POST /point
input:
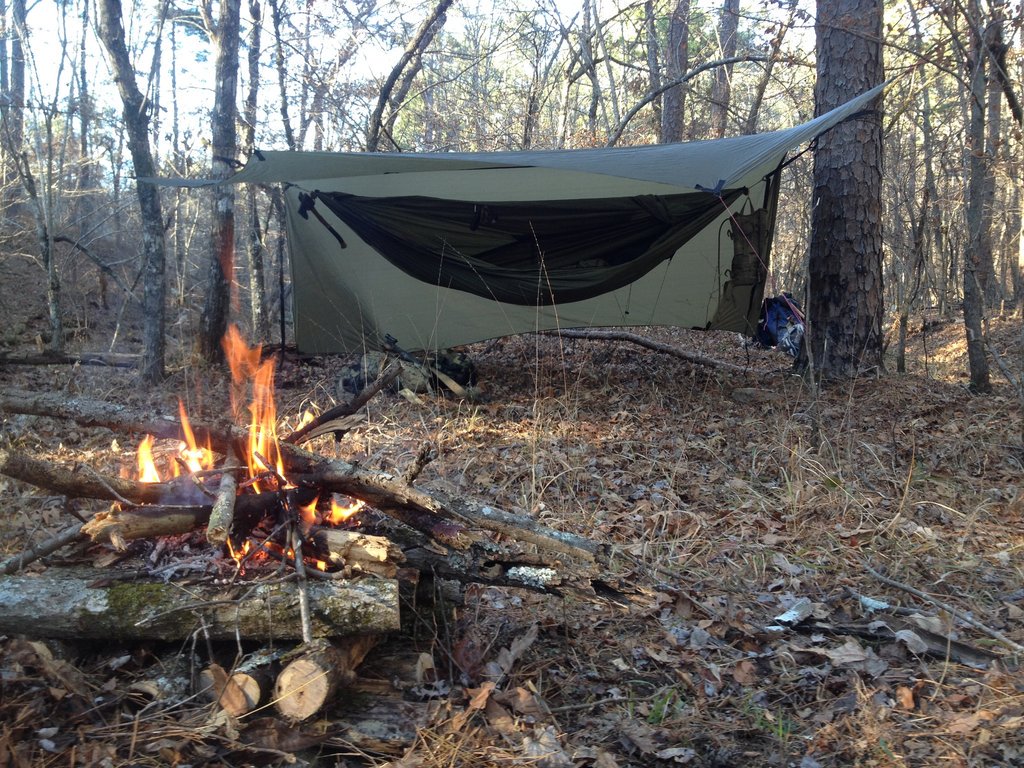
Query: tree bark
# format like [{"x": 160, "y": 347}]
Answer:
[
  {"x": 673, "y": 102},
  {"x": 975, "y": 272},
  {"x": 216, "y": 307},
  {"x": 136, "y": 120},
  {"x": 845, "y": 262},
  {"x": 78, "y": 605}
]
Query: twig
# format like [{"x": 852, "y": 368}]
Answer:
[
  {"x": 295, "y": 542},
  {"x": 632, "y": 338},
  {"x": 955, "y": 613},
  {"x": 333, "y": 420},
  {"x": 17, "y": 562},
  {"x": 425, "y": 455}
]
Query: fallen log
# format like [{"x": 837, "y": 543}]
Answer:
[
  {"x": 108, "y": 359},
  {"x": 309, "y": 682},
  {"x": 71, "y": 604}
]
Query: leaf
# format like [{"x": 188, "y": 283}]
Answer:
[
  {"x": 905, "y": 698},
  {"x": 476, "y": 703},
  {"x": 745, "y": 672},
  {"x": 680, "y": 755},
  {"x": 544, "y": 748},
  {"x": 914, "y": 642}
]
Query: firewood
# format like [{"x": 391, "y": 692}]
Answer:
[
  {"x": 118, "y": 526},
  {"x": 80, "y": 482},
  {"x": 223, "y": 512},
  {"x": 237, "y": 694},
  {"x": 309, "y": 682},
  {"x": 358, "y": 552},
  {"x": 74, "y": 604}
]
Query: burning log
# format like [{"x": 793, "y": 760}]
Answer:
[
  {"x": 73, "y": 605},
  {"x": 80, "y": 482},
  {"x": 358, "y": 552},
  {"x": 307, "y": 683}
]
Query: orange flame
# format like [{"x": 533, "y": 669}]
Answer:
[
  {"x": 238, "y": 554},
  {"x": 195, "y": 456},
  {"x": 245, "y": 365},
  {"x": 339, "y": 513},
  {"x": 147, "y": 466},
  {"x": 307, "y": 515}
]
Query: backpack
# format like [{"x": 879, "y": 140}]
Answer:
[{"x": 781, "y": 324}]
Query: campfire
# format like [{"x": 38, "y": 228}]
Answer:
[
  {"x": 289, "y": 515},
  {"x": 300, "y": 546}
]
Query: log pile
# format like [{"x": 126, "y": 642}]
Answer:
[{"x": 335, "y": 589}]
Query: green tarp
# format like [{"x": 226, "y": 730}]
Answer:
[{"x": 443, "y": 249}]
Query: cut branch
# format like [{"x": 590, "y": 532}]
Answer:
[
  {"x": 17, "y": 562},
  {"x": 657, "y": 346},
  {"x": 223, "y": 512}
]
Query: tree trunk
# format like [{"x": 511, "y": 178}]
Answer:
[
  {"x": 282, "y": 79},
  {"x": 653, "y": 59},
  {"x": 136, "y": 121},
  {"x": 255, "y": 250},
  {"x": 721, "y": 87},
  {"x": 993, "y": 291},
  {"x": 845, "y": 260},
  {"x": 974, "y": 264},
  {"x": 677, "y": 55},
  {"x": 224, "y": 148}
]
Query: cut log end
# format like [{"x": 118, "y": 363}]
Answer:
[{"x": 307, "y": 684}]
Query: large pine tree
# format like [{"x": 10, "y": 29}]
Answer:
[{"x": 845, "y": 292}]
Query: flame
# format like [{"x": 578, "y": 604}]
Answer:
[
  {"x": 238, "y": 554},
  {"x": 339, "y": 513},
  {"x": 245, "y": 365},
  {"x": 307, "y": 515},
  {"x": 307, "y": 417},
  {"x": 195, "y": 456},
  {"x": 147, "y": 467}
]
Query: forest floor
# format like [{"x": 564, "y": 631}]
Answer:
[{"x": 884, "y": 514}]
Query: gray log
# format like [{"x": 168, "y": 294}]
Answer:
[{"x": 75, "y": 605}]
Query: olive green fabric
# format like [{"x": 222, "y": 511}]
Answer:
[{"x": 532, "y": 253}]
